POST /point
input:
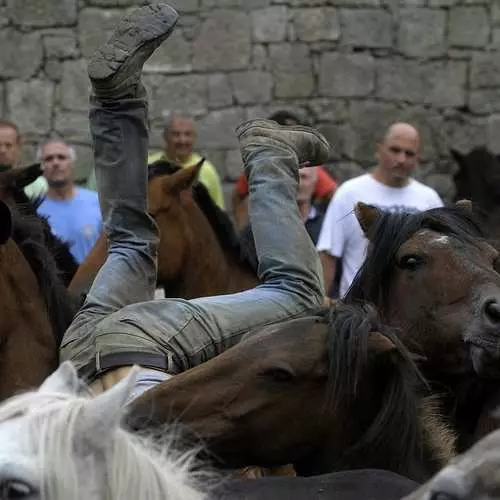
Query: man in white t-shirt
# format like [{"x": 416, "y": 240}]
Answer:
[{"x": 389, "y": 187}]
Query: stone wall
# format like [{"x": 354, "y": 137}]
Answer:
[{"x": 349, "y": 66}]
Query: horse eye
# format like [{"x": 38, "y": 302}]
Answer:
[
  {"x": 13, "y": 489},
  {"x": 279, "y": 374},
  {"x": 441, "y": 495},
  {"x": 411, "y": 262}
]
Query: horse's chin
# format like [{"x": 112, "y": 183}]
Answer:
[{"x": 485, "y": 363}]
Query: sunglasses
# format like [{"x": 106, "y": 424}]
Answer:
[{"x": 59, "y": 157}]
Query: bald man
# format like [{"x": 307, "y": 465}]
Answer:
[{"x": 389, "y": 186}]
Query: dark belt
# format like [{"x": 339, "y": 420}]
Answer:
[{"x": 105, "y": 362}]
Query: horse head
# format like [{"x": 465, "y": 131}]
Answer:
[{"x": 433, "y": 275}]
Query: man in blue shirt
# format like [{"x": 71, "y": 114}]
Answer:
[{"x": 72, "y": 212}]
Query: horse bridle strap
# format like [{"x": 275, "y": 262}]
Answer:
[{"x": 105, "y": 362}]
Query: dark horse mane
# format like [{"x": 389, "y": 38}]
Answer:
[
  {"x": 29, "y": 233},
  {"x": 393, "y": 432},
  {"x": 389, "y": 232},
  {"x": 217, "y": 218}
]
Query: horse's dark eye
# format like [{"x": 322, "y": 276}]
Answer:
[
  {"x": 278, "y": 374},
  {"x": 11, "y": 489},
  {"x": 411, "y": 262},
  {"x": 441, "y": 495}
]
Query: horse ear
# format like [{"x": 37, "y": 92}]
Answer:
[
  {"x": 103, "y": 413},
  {"x": 5, "y": 223},
  {"x": 64, "y": 379},
  {"x": 366, "y": 215},
  {"x": 381, "y": 343},
  {"x": 465, "y": 205},
  {"x": 184, "y": 178},
  {"x": 457, "y": 156}
]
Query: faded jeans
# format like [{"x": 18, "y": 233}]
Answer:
[{"x": 120, "y": 323}]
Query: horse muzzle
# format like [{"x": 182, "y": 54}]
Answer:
[{"x": 486, "y": 363}]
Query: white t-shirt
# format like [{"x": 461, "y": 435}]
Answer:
[{"x": 341, "y": 234}]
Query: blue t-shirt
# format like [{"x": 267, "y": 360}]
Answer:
[{"x": 77, "y": 221}]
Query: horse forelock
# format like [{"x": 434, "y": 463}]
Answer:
[
  {"x": 391, "y": 230},
  {"x": 133, "y": 466}
]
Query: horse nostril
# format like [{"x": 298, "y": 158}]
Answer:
[{"x": 492, "y": 310}]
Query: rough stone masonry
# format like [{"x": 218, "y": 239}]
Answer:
[{"x": 349, "y": 66}]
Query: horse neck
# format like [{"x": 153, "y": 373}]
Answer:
[
  {"x": 211, "y": 269},
  {"x": 31, "y": 347}
]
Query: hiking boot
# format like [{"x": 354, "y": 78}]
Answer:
[
  {"x": 311, "y": 147},
  {"x": 115, "y": 68}
]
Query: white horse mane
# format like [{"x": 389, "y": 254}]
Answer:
[{"x": 73, "y": 438}]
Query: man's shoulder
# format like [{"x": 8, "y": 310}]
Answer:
[
  {"x": 353, "y": 186},
  {"x": 87, "y": 194},
  {"x": 424, "y": 190}
]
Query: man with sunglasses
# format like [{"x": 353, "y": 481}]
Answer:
[
  {"x": 73, "y": 212},
  {"x": 389, "y": 186}
]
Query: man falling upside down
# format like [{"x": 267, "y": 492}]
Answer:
[{"x": 120, "y": 324}]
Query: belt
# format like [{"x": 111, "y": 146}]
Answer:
[{"x": 105, "y": 362}]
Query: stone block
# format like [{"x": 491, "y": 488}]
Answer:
[
  {"x": 72, "y": 125},
  {"x": 248, "y": 5},
  {"x": 220, "y": 93},
  {"x": 185, "y": 6},
  {"x": 216, "y": 129},
  {"x": 443, "y": 184},
  {"x": 43, "y": 13},
  {"x": 75, "y": 86},
  {"x": 292, "y": 69},
  {"x": 251, "y": 87},
  {"x": 60, "y": 47},
  {"x": 422, "y": 32},
  {"x": 95, "y": 27},
  {"x": 357, "y": 3},
  {"x": 53, "y": 69},
  {"x": 233, "y": 165},
  {"x": 4, "y": 17},
  {"x": 180, "y": 93},
  {"x": 223, "y": 42},
  {"x": 370, "y": 28},
  {"x": 29, "y": 105},
  {"x": 468, "y": 26},
  {"x": 269, "y": 25},
  {"x": 121, "y": 3},
  {"x": 328, "y": 110},
  {"x": 260, "y": 59},
  {"x": 462, "y": 132},
  {"x": 484, "y": 101},
  {"x": 346, "y": 75},
  {"x": 174, "y": 56},
  {"x": 316, "y": 24},
  {"x": 443, "y": 3},
  {"x": 495, "y": 11},
  {"x": 84, "y": 160},
  {"x": 2, "y": 99},
  {"x": 485, "y": 70},
  {"x": 21, "y": 55},
  {"x": 437, "y": 83}
]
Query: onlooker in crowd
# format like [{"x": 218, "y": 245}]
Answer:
[
  {"x": 389, "y": 186},
  {"x": 179, "y": 135},
  {"x": 72, "y": 212},
  {"x": 324, "y": 185},
  {"x": 10, "y": 155}
]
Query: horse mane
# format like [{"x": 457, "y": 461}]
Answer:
[
  {"x": 398, "y": 403},
  {"x": 390, "y": 230},
  {"x": 218, "y": 219},
  {"x": 135, "y": 466},
  {"x": 29, "y": 233}
]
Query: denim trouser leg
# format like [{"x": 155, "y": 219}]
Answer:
[{"x": 185, "y": 332}]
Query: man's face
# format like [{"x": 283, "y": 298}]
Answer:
[
  {"x": 398, "y": 155},
  {"x": 56, "y": 164},
  {"x": 180, "y": 138},
  {"x": 10, "y": 147},
  {"x": 307, "y": 184}
]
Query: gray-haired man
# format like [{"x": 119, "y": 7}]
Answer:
[{"x": 120, "y": 325}]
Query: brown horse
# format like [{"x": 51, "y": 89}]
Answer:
[
  {"x": 12, "y": 184},
  {"x": 478, "y": 180},
  {"x": 332, "y": 391},
  {"x": 432, "y": 274},
  {"x": 35, "y": 306},
  {"x": 200, "y": 253}
]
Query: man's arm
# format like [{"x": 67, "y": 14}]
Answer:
[{"x": 329, "y": 264}]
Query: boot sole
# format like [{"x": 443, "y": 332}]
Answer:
[{"x": 151, "y": 24}]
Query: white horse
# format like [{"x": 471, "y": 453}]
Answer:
[
  {"x": 58, "y": 445},
  {"x": 474, "y": 475}
]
